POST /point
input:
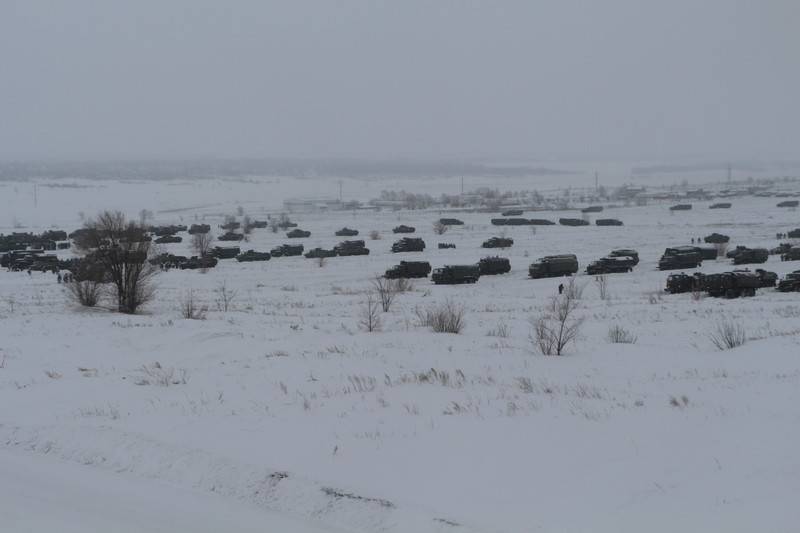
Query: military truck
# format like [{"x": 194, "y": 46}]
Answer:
[
  {"x": 610, "y": 265},
  {"x": 199, "y": 228},
  {"x": 402, "y": 228},
  {"x": 680, "y": 257},
  {"x": 316, "y": 253},
  {"x": 451, "y": 222},
  {"x": 731, "y": 284},
  {"x": 541, "y": 222},
  {"x": 512, "y": 213},
  {"x": 346, "y": 248},
  {"x": 681, "y": 207},
  {"x": 168, "y": 239},
  {"x": 498, "y": 242},
  {"x": 592, "y": 209},
  {"x": 708, "y": 253},
  {"x": 446, "y": 245},
  {"x": 298, "y": 234},
  {"x": 681, "y": 283},
  {"x": 287, "y": 250},
  {"x": 792, "y": 254},
  {"x": 490, "y": 266},
  {"x": 789, "y": 203},
  {"x": 626, "y": 252},
  {"x": 781, "y": 249},
  {"x": 252, "y": 255},
  {"x": 346, "y": 232},
  {"x": 231, "y": 236},
  {"x": 225, "y": 252},
  {"x": 552, "y": 266},
  {"x": 716, "y": 238},
  {"x": 573, "y": 222},
  {"x": 456, "y": 274},
  {"x": 409, "y": 269},
  {"x": 751, "y": 255},
  {"x": 790, "y": 283},
  {"x": 720, "y": 205},
  {"x": 768, "y": 279},
  {"x": 608, "y": 222},
  {"x": 195, "y": 262},
  {"x": 408, "y": 244}
]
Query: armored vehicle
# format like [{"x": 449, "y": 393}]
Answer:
[
  {"x": 498, "y": 242},
  {"x": 680, "y": 283},
  {"x": 781, "y": 249},
  {"x": 316, "y": 253},
  {"x": 573, "y": 222},
  {"x": 768, "y": 279},
  {"x": 455, "y": 274},
  {"x": 451, "y": 222},
  {"x": 552, "y": 266},
  {"x": 789, "y": 203},
  {"x": 44, "y": 263},
  {"x": 256, "y": 224},
  {"x": 489, "y": 266},
  {"x": 510, "y": 221},
  {"x": 161, "y": 231},
  {"x": 199, "y": 228},
  {"x": 792, "y": 254},
  {"x": 298, "y": 234},
  {"x": 791, "y": 283},
  {"x": 252, "y": 255},
  {"x": 608, "y": 222},
  {"x": 610, "y": 265},
  {"x": 168, "y": 260},
  {"x": 54, "y": 235},
  {"x": 231, "y": 225},
  {"x": 195, "y": 262},
  {"x": 681, "y": 207},
  {"x": 446, "y": 245},
  {"x": 168, "y": 239},
  {"x": 716, "y": 238},
  {"x": 9, "y": 258},
  {"x": 499, "y": 222},
  {"x": 408, "y": 244},
  {"x": 794, "y": 234},
  {"x": 592, "y": 209},
  {"x": 346, "y": 232},
  {"x": 680, "y": 257},
  {"x": 720, "y": 205},
  {"x": 731, "y": 284},
  {"x": 231, "y": 236},
  {"x": 736, "y": 251},
  {"x": 225, "y": 252},
  {"x": 285, "y": 223},
  {"x": 512, "y": 213},
  {"x": 346, "y": 248},
  {"x": 404, "y": 229},
  {"x": 541, "y": 222},
  {"x": 707, "y": 253},
  {"x": 751, "y": 255},
  {"x": 409, "y": 269},
  {"x": 287, "y": 250},
  {"x": 626, "y": 252}
]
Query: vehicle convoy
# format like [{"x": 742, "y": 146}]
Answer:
[
  {"x": 498, "y": 242},
  {"x": 489, "y": 266},
  {"x": 346, "y": 248},
  {"x": 231, "y": 236},
  {"x": 409, "y": 269},
  {"x": 195, "y": 262},
  {"x": 608, "y": 222},
  {"x": 610, "y": 265},
  {"x": 680, "y": 257},
  {"x": 317, "y": 253},
  {"x": 716, "y": 238},
  {"x": 287, "y": 250},
  {"x": 455, "y": 274},
  {"x": 751, "y": 255},
  {"x": 626, "y": 252},
  {"x": 346, "y": 232},
  {"x": 792, "y": 254},
  {"x": 225, "y": 252},
  {"x": 790, "y": 283},
  {"x": 402, "y": 228},
  {"x": 573, "y": 222},
  {"x": 168, "y": 239},
  {"x": 298, "y": 234},
  {"x": 552, "y": 266},
  {"x": 408, "y": 244},
  {"x": 252, "y": 255}
]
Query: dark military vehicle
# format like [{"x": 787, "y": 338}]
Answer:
[
  {"x": 681, "y": 207},
  {"x": 592, "y": 209},
  {"x": 404, "y": 229},
  {"x": 252, "y": 255},
  {"x": 573, "y": 222},
  {"x": 707, "y": 253},
  {"x": 199, "y": 228},
  {"x": 287, "y": 250},
  {"x": 455, "y": 274},
  {"x": 736, "y": 251},
  {"x": 781, "y": 249},
  {"x": 168, "y": 239},
  {"x": 731, "y": 284},
  {"x": 794, "y": 234},
  {"x": 166, "y": 260},
  {"x": 255, "y": 224},
  {"x": 409, "y": 269},
  {"x": 552, "y": 266},
  {"x": 195, "y": 262},
  {"x": 791, "y": 283},
  {"x": 498, "y": 242},
  {"x": 63, "y": 245},
  {"x": 792, "y": 254},
  {"x": 346, "y": 248},
  {"x": 768, "y": 279},
  {"x": 608, "y": 222},
  {"x": 789, "y": 203},
  {"x": 8, "y": 259},
  {"x": 298, "y": 234},
  {"x": 346, "y": 232},
  {"x": 225, "y": 252},
  {"x": 680, "y": 283},
  {"x": 751, "y": 255},
  {"x": 231, "y": 236},
  {"x": 512, "y": 213},
  {"x": 716, "y": 238},
  {"x": 408, "y": 244},
  {"x": 44, "y": 263},
  {"x": 720, "y": 205},
  {"x": 231, "y": 225},
  {"x": 626, "y": 252},
  {"x": 161, "y": 231},
  {"x": 680, "y": 257},
  {"x": 316, "y": 253},
  {"x": 446, "y": 245},
  {"x": 510, "y": 222},
  {"x": 451, "y": 222},
  {"x": 489, "y": 266},
  {"x": 541, "y": 222},
  {"x": 610, "y": 265}
]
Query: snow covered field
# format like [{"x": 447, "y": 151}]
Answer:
[{"x": 283, "y": 407}]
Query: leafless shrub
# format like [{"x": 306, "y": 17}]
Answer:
[
  {"x": 375, "y": 235},
  {"x": 722, "y": 249},
  {"x": 728, "y": 335},
  {"x": 681, "y": 402},
  {"x": 322, "y": 261},
  {"x": 619, "y": 335},
  {"x": 201, "y": 243},
  {"x": 602, "y": 286},
  {"x": 558, "y": 326},
  {"x": 439, "y": 228},
  {"x": 501, "y": 330},
  {"x": 574, "y": 289},
  {"x": 697, "y": 295},
  {"x": 386, "y": 291},
  {"x": 52, "y": 374},
  {"x": 402, "y": 285},
  {"x": 86, "y": 293},
  {"x": 190, "y": 308},
  {"x": 225, "y": 296},
  {"x": 447, "y": 317},
  {"x": 155, "y": 374},
  {"x": 247, "y": 225},
  {"x": 370, "y": 314}
]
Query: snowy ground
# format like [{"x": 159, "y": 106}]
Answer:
[{"x": 284, "y": 407}]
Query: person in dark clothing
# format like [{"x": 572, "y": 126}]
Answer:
[{"x": 560, "y": 288}]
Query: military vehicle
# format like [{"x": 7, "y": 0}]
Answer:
[
  {"x": 736, "y": 251},
  {"x": 446, "y": 245},
  {"x": 789, "y": 203},
  {"x": 231, "y": 236},
  {"x": 42, "y": 263},
  {"x": 716, "y": 238},
  {"x": 9, "y": 258},
  {"x": 231, "y": 225},
  {"x": 456, "y": 274},
  {"x": 166, "y": 260},
  {"x": 252, "y": 255},
  {"x": 681, "y": 207},
  {"x": 731, "y": 284},
  {"x": 592, "y": 209},
  {"x": 287, "y": 250},
  {"x": 510, "y": 222},
  {"x": 541, "y": 222},
  {"x": 285, "y": 223},
  {"x": 708, "y": 253},
  {"x": 489, "y": 266},
  {"x": 498, "y": 242},
  {"x": 451, "y": 222},
  {"x": 161, "y": 231},
  {"x": 199, "y": 228},
  {"x": 768, "y": 279},
  {"x": 512, "y": 213},
  {"x": 792, "y": 254},
  {"x": 256, "y": 224},
  {"x": 573, "y": 222},
  {"x": 626, "y": 252},
  {"x": 680, "y": 257},
  {"x": 63, "y": 245},
  {"x": 346, "y": 232},
  {"x": 680, "y": 283},
  {"x": 720, "y": 205},
  {"x": 781, "y": 249},
  {"x": 404, "y": 229},
  {"x": 751, "y": 255},
  {"x": 610, "y": 265},
  {"x": 316, "y": 253},
  {"x": 54, "y": 235},
  {"x": 408, "y": 244},
  {"x": 195, "y": 262},
  {"x": 298, "y": 234},
  {"x": 794, "y": 234},
  {"x": 552, "y": 266},
  {"x": 409, "y": 269},
  {"x": 608, "y": 222},
  {"x": 225, "y": 252},
  {"x": 168, "y": 239},
  {"x": 346, "y": 248},
  {"x": 790, "y": 283}
]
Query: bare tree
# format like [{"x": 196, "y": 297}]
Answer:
[
  {"x": 602, "y": 286},
  {"x": 386, "y": 291},
  {"x": 558, "y": 326},
  {"x": 225, "y": 296},
  {"x": 119, "y": 249},
  {"x": 370, "y": 314},
  {"x": 439, "y": 228},
  {"x": 722, "y": 248},
  {"x": 201, "y": 243},
  {"x": 191, "y": 308}
]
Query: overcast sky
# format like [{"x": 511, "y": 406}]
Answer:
[{"x": 178, "y": 78}]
